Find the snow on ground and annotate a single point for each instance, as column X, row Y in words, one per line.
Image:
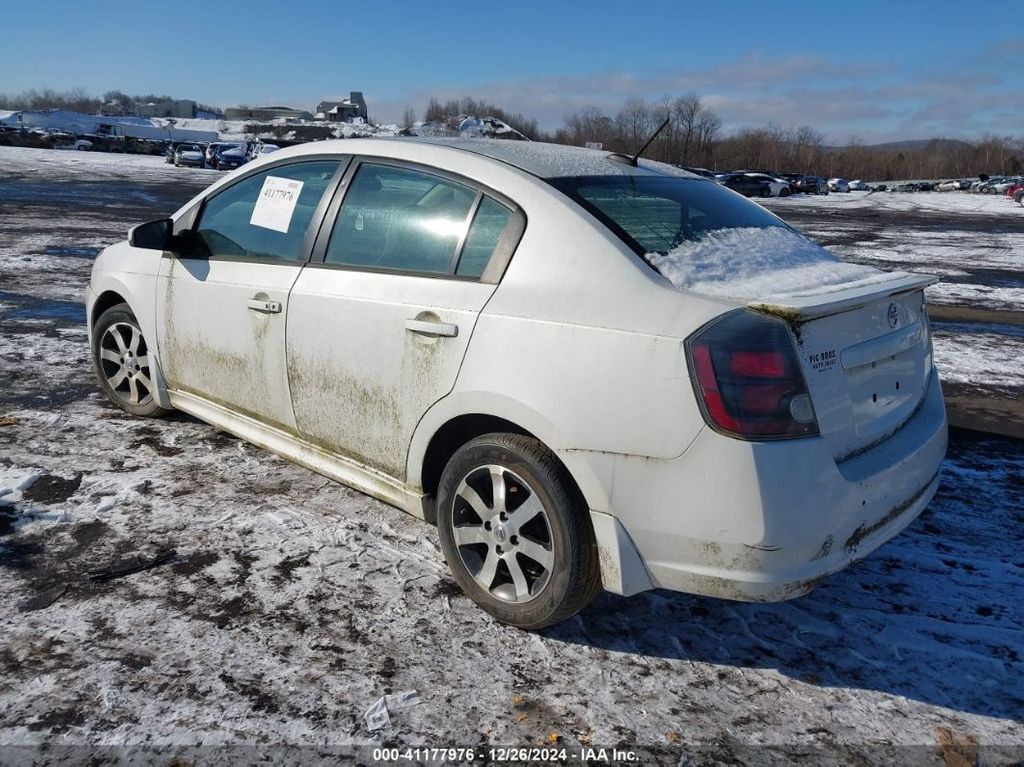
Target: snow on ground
column 27, row 164
column 980, row 359
column 293, row 603
column 959, row 203
column 975, row 242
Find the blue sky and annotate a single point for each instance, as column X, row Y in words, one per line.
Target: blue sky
column 871, row 70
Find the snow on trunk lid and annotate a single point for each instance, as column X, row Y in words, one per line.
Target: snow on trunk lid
column 861, row 333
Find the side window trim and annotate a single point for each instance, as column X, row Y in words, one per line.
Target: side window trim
column 499, row 260
column 315, row 223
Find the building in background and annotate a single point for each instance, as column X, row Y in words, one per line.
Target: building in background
column 266, row 113
column 185, row 108
column 343, row 111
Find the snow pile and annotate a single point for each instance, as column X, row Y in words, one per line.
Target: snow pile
column 486, row 127
column 751, row 262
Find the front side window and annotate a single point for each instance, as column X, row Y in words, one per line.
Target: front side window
column 655, row 214
column 401, row 219
column 264, row 216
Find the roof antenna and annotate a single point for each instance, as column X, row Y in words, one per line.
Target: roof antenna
column 625, row 159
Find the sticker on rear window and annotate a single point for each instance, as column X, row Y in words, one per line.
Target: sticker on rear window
column 276, row 203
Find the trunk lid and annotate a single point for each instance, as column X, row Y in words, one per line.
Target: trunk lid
column 866, row 356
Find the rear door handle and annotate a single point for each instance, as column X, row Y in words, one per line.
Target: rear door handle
column 264, row 307
column 429, row 328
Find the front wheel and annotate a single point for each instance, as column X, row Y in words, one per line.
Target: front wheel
column 122, row 361
column 515, row 533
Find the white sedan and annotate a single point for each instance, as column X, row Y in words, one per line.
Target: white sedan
column 587, row 372
column 838, row 185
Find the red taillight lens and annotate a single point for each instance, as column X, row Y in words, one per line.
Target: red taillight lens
column 748, row 380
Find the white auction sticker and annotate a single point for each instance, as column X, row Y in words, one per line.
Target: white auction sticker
column 276, row 203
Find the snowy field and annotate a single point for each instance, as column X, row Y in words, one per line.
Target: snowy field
column 975, row 242
column 290, row 604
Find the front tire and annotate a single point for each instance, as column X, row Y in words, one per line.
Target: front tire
column 122, row 361
column 515, row 533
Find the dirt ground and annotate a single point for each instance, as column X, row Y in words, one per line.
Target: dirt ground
column 287, row 604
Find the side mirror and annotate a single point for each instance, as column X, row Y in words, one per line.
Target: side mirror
column 156, row 235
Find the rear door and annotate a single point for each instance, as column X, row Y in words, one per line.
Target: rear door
column 222, row 300
column 379, row 324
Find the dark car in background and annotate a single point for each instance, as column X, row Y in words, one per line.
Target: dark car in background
column 699, row 171
column 229, row 157
column 809, row 184
column 746, row 184
column 798, row 182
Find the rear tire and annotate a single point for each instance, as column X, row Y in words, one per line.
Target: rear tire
column 122, row 361
column 515, row 532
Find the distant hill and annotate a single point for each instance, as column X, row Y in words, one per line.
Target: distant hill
column 923, row 143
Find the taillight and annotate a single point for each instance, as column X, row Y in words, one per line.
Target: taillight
column 747, row 378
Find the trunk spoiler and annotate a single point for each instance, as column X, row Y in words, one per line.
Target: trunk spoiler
column 804, row 308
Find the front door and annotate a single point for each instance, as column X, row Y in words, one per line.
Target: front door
column 222, row 301
column 378, row 331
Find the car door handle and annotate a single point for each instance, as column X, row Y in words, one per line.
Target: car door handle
column 264, row 307
column 429, row 328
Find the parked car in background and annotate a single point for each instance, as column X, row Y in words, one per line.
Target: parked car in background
column 1001, row 187
column 838, row 185
column 190, row 155
column 807, row 184
column 777, row 187
column 746, row 184
column 215, row 146
column 858, row 186
column 701, row 172
column 259, row 149
column 1018, row 196
column 743, row 442
column 229, row 157
column 947, row 186
column 72, row 143
column 988, row 186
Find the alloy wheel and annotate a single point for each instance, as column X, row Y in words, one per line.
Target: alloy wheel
column 124, row 363
column 503, row 534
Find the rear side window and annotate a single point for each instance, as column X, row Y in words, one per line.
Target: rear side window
column 264, row 216
column 655, row 214
column 401, row 219
column 488, row 225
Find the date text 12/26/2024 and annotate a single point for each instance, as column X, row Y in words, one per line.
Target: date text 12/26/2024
column 506, row 754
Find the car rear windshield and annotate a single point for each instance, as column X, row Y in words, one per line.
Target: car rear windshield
column 654, row 214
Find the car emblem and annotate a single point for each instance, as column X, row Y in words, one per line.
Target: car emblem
column 894, row 316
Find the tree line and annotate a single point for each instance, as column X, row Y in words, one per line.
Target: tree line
column 78, row 100
column 694, row 137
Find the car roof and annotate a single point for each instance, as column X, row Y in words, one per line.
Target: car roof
column 535, row 157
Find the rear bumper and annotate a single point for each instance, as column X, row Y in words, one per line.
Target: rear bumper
column 767, row 521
